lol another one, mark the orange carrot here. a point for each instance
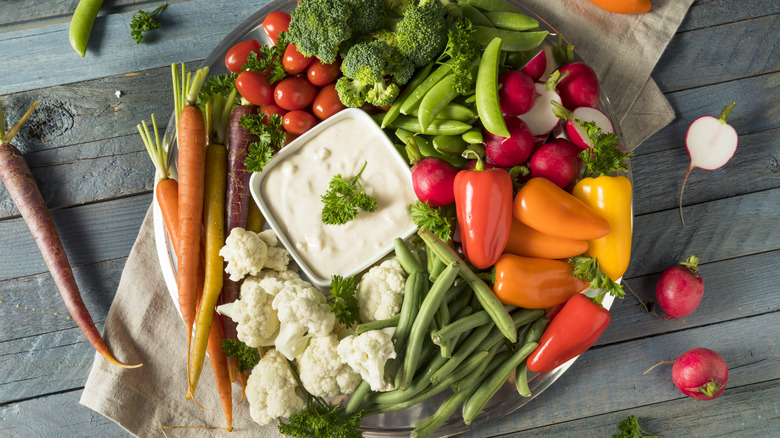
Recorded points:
(220, 371)
(21, 185)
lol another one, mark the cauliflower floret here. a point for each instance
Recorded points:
(322, 372)
(301, 308)
(272, 390)
(257, 322)
(381, 291)
(367, 354)
(246, 253)
(274, 282)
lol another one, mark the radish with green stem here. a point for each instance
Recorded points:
(711, 142)
(700, 373)
(680, 288)
(540, 118)
(572, 123)
(18, 179)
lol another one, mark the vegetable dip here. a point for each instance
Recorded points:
(292, 190)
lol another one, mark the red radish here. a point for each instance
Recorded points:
(433, 179)
(579, 87)
(509, 151)
(20, 183)
(517, 92)
(711, 142)
(583, 114)
(680, 288)
(536, 67)
(700, 373)
(556, 161)
(540, 118)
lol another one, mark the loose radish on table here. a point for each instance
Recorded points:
(24, 191)
(711, 142)
(556, 161)
(680, 288)
(509, 151)
(700, 373)
(573, 123)
(432, 179)
(517, 92)
(540, 118)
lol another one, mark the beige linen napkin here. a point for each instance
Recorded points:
(144, 326)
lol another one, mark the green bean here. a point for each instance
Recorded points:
(521, 380)
(437, 266)
(406, 257)
(435, 100)
(411, 102)
(378, 324)
(484, 294)
(81, 24)
(477, 401)
(475, 15)
(462, 300)
(357, 396)
(512, 41)
(414, 289)
(491, 5)
(449, 144)
(455, 328)
(494, 359)
(423, 320)
(419, 384)
(488, 107)
(512, 21)
(413, 83)
(472, 136)
(471, 343)
(536, 330)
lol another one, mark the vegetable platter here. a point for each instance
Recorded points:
(398, 423)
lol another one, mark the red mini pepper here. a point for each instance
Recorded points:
(483, 203)
(576, 327)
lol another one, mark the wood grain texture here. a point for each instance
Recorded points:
(706, 13)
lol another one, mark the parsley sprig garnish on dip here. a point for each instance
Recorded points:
(343, 199)
(143, 21)
(344, 302)
(270, 138)
(605, 154)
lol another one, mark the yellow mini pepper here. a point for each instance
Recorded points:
(610, 196)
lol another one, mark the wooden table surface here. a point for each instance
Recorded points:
(86, 154)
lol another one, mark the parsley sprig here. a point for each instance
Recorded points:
(268, 59)
(143, 21)
(246, 356)
(588, 269)
(629, 428)
(270, 138)
(223, 84)
(463, 50)
(343, 199)
(605, 154)
(344, 302)
(434, 219)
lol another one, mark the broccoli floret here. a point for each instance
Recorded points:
(370, 69)
(318, 27)
(367, 16)
(421, 35)
(398, 7)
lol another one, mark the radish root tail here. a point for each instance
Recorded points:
(681, 194)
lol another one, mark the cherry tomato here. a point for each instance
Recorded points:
(294, 93)
(236, 56)
(271, 108)
(298, 121)
(254, 87)
(293, 62)
(327, 102)
(276, 22)
(321, 74)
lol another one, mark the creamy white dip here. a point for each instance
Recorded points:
(292, 191)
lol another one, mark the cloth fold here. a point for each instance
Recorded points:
(144, 326)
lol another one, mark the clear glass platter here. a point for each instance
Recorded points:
(399, 423)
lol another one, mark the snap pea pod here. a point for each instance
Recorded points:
(435, 100)
(406, 257)
(378, 324)
(424, 319)
(81, 24)
(512, 21)
(491, 5)
(488, 106)
(449, 144)
(453, 111)
(513, 41)
(477, 401)
(487, 299)
(424, 146)
(413, 100)
(413, 83)
(437, 126)
(476, 16)
(473, 136)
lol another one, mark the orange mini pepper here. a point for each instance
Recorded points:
(611, 197)
(526, 241)
(535, 283)
(624, 6)
(545, 207)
